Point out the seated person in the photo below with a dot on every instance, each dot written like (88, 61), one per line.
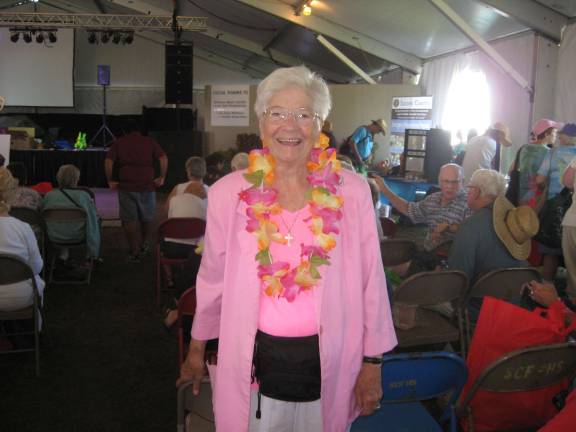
(239, 161)
(497, 235)
(17, 238)
(186, 200)
(442, 211)
(67, 196)
(375, 191)
(19, 196)
(195, 171)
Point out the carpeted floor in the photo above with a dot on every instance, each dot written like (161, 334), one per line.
(110, 366)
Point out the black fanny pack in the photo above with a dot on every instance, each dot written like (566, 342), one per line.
(287, 368)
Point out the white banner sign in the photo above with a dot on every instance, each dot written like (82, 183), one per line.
(231, 105)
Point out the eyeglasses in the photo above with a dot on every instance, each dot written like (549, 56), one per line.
(302, 116)
(450, 182)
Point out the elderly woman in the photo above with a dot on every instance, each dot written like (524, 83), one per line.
(239, 161)
(291, 280)
(67, 196)
(17, 238)
(18, 196)
(195, 171)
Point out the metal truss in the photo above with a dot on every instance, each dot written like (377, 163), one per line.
(100, 21)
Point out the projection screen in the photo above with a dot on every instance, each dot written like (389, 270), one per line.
(37, 74)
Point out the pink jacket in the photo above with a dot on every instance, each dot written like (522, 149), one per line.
(353, 312)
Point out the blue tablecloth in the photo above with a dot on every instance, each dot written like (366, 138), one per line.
(410, 190)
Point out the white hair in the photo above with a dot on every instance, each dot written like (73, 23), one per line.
(68, 176)
(491, 183)
(454, 166)
(239, 161)
(297, 76)
(196, 167)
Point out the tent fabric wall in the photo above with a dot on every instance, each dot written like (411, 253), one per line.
(566, 82)
(509, 102)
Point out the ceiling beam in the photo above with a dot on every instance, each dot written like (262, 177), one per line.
(533, 15)
(275, 55)
(340, 33)
(484, 46)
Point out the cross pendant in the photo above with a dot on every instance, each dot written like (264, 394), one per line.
(288, 237)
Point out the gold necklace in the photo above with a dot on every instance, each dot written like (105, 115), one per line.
(288, 236)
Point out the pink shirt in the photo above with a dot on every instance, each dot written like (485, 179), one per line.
(278, 316)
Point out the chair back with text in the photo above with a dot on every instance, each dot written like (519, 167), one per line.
(523, 370)
(408, 379)
(395, 252)
(15, 270)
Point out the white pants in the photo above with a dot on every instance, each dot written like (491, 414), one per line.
(280, 416)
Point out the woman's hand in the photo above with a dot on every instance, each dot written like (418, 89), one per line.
(192, 369)
(543, 293)
(368, 388)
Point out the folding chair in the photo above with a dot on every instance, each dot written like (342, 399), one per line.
(389, 227)
(522, 370)
(15, 270)
(395, 252)
(408, 379)
(429, 291)
(186, 311)
(178, 228)
(34, 219)
(504, 284)
(195, 412)
(54, 217)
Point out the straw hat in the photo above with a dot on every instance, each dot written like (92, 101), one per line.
(381, 123)
(514, 226)
(499, 126)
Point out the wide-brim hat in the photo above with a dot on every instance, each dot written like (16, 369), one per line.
(515, 226)
(381, 123)
(499, 126)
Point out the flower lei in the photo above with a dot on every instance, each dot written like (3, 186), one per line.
(325, 207)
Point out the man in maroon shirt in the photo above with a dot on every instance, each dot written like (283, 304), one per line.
(135, 155)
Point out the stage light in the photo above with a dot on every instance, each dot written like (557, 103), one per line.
(15, 36)
(128, 38)
(306, 10)
(27, 37)
(116, 38)
(52, 37)
(92, 38)
(40, 37)
(105, 37)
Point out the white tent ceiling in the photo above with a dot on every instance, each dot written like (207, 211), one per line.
(377, 35)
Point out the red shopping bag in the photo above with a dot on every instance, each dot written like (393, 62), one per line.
(503, 327)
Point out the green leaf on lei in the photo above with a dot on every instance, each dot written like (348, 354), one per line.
(263, 257)
(256, 178)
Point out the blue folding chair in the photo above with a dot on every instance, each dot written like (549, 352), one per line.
(408, 379)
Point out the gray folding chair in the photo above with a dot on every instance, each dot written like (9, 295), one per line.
(195, 412)
(504, 284)
(14, 270)
(54, 217)
(395, 252)
(522, 370)
(431, 291)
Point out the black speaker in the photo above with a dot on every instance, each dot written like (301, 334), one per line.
(438, 153)
(178, 74)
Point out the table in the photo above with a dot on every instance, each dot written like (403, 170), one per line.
(42, 165)
(410, 190)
